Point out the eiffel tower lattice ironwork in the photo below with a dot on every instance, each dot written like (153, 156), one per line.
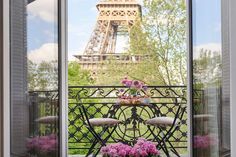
(115, 16)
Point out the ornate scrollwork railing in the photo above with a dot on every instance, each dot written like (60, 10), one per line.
(99, 101)
(43, 104)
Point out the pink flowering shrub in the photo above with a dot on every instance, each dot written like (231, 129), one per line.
(142, 148)
(115, 150)
(42, 145)
(204, 141)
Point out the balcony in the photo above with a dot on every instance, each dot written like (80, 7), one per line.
(99, 101)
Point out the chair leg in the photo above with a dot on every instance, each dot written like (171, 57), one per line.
(92, 147)
(168, 136)
(172, 147)
(166, 148)
(95, 141)
(159, 142)
(164, 143)
(105, 140)
(97, 138)
(175, 152)
(164, 139)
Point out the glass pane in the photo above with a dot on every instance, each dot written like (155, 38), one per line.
(211, 119)
(113, 45)
(34, 78)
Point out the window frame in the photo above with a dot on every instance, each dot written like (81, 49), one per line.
(231, 4)
(229, 19)
(5, 76)
(1, 70)
(189, 76)
(63, 85)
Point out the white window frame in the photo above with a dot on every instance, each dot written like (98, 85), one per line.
(5, 78)
(189, 76)
(63, 73)
(232, 49)
(1, 76)
(228, 31)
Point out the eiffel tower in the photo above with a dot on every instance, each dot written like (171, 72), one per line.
(115, 17)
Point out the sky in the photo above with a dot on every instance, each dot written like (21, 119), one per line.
(207, 24)
(43, 36)
(82, 16)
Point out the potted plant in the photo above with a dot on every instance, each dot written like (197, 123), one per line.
(142, 148)
(202, 144)
(133, 96)
(42, 146)
(117, 149)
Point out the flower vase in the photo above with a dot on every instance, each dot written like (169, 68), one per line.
(146, 100)
(133, 92)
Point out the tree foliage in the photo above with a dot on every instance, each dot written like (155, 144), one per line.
(78, 76)
(165, 23)
(42, 76)
(207, 69)
(160, 39)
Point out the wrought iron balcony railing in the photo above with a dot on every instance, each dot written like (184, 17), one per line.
(99, 101)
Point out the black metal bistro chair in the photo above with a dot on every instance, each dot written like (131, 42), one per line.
(166, 128)
(105, 123)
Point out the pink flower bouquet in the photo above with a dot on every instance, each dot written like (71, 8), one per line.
(204, 141)
(134, 85)
(115, 150)
(142, 148)
(133, 97)
(42, 145)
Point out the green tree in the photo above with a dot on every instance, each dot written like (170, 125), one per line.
(160, 41)
(78, 76)
(42, 76)
(165, 23)
(208, 62)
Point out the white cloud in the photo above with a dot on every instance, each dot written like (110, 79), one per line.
(50, 35)
(140, 2)
(71, 55)
(45, 9)
(214, 47)
(47, 52)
